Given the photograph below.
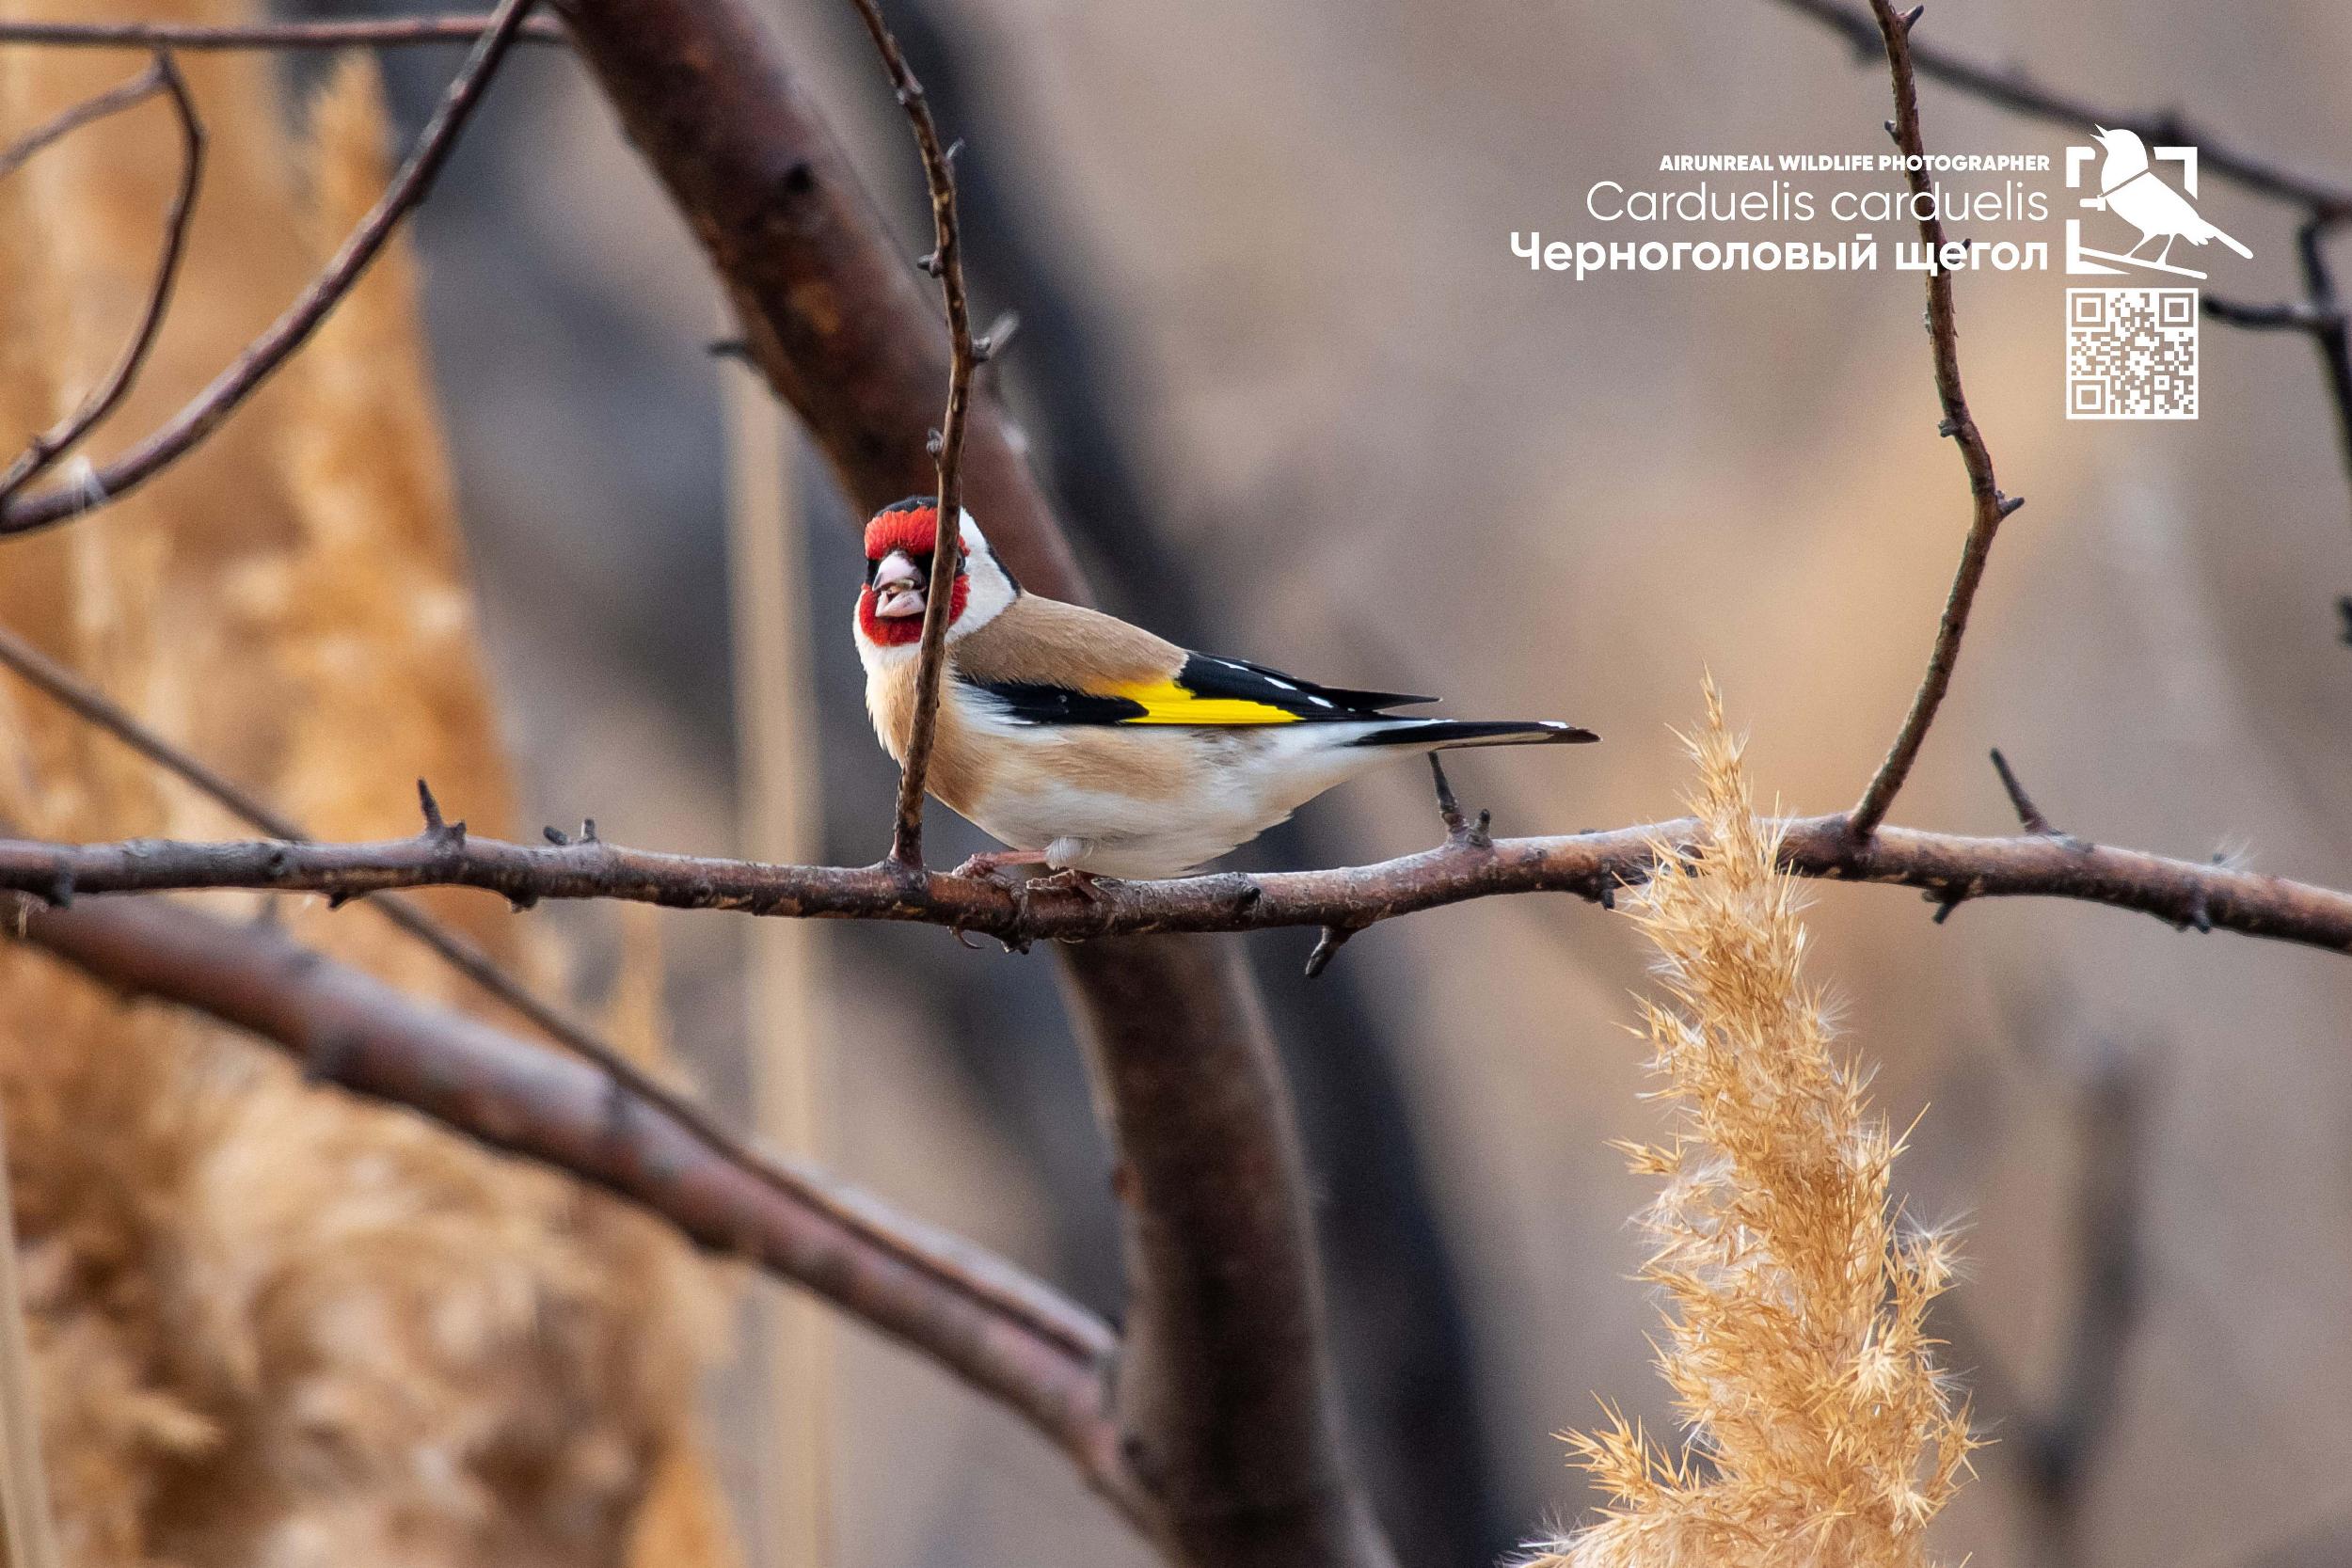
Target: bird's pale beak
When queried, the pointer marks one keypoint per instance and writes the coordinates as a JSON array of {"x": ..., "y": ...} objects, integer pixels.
[{"x": 897, "y": 587}]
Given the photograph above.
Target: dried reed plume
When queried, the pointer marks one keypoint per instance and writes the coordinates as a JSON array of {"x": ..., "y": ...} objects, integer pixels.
[
  {"x": 272, "y": 1325},
  {"x": 1819, "y": 1428}
]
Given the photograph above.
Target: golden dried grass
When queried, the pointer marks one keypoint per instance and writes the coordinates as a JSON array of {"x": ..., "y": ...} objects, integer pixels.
[
  {"x": 1818, "y": 1429},
  {"x": 271, "y": 1325}
]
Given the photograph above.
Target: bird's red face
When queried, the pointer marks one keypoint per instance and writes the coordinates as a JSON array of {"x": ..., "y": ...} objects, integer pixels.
[{"x": 897, "y": 555}]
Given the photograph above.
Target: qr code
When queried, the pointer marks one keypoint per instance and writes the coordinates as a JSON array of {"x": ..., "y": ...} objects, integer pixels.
[{"x": 2131, "y": 354}]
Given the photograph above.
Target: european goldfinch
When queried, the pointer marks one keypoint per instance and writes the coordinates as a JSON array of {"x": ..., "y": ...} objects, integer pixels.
[{"x": 1094, "y": 746}]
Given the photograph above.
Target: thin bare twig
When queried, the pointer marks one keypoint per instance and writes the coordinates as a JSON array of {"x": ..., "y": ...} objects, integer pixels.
[
  {"x": 1045, "y": 1317},
  {"x": 1990, "y": 505},
  {"x": 354, "y": 1031},
  {"x": 52, "y": 444},
  {"x": 383, "y": 32},
  {"x": 944, "y": 263},
  {"x": 216, "y": 402},
  {"x": 1950, "y": 868},
  {"x": 2012, "y": 91},
  {"x": 121, "y": 96}
]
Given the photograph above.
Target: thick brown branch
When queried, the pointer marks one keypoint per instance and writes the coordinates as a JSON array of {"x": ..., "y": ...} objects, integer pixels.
[
  {"x": 1990, "y": 506},
  {"x": 1222, "y": 1386},
  {"x": 341, "y": 33},
  {"x": 2012, "y": 90},
  {"x": 893, "y": 1272},
  {"x": 1950, "y": 867},
  {"x": 1046, "y": 1319},
  {"x": 841, "y": 328},
  {"x": 55, "y": 443},
  {"x": 216, "y": 402},
  {"x": 945, "y": 263}
]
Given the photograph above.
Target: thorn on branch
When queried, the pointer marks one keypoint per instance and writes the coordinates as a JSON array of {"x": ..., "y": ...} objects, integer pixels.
[
  {"x": 588, "y": 830},
  {"x": 1945, "y": 900},
  {"x": 449, "y": 835},
  {"x": 2028, "y": 814},
  {"x": 555, "y": 835},
  {"x": 1328, "y": 943},
  {"x": 1458, "y": 828},
  {"x": 2200, "y": 915},
  {"x": 1948, "y": 427},
  {"x": 2005, "y": 505},
  {"x": 955, "y": 150},
  {"x": 931, "y": 263},
  {"x": 1910, "y": 18},
  {"x": 934, "y": 443}
]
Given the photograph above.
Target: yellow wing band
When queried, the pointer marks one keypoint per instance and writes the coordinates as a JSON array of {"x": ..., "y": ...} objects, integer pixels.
[{"x": 1166, "y": 703}]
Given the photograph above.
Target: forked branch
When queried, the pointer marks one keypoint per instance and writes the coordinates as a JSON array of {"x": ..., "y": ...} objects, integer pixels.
[
  {"x": 162, "y": 76},
  {"x": 121, "y": 96},
  {"x": 267, "y": 353}
]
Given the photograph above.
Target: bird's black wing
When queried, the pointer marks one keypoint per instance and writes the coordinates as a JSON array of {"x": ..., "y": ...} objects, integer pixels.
[
  {"x": 1208, "y": 675},
  {"x": 1204, "y": 692}
]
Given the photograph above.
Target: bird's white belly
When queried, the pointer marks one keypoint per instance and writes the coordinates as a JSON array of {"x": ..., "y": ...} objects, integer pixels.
[{"x": 1228, "y": 788}]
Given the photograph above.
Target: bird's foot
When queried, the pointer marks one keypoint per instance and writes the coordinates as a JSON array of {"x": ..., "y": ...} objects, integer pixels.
[{"x": 990, "y": 867}]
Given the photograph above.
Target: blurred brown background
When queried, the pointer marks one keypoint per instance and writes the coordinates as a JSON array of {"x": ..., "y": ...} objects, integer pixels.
[{"x": 1278, "y": 359}]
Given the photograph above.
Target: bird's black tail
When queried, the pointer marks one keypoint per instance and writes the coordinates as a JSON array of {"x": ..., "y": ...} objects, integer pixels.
[{"x": 1443, "y": 733}]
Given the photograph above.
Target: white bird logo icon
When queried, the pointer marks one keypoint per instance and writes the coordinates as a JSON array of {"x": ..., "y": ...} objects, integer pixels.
[{"x": 2130, "y": 187}]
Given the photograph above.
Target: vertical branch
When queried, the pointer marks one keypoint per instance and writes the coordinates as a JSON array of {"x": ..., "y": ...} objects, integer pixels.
[
  {"x": 1224, "y": 1402},
  {"x": 1990, "y": 506},
  {"x": 945, "y": 263},
  {"x": 703, "y": 90}
]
